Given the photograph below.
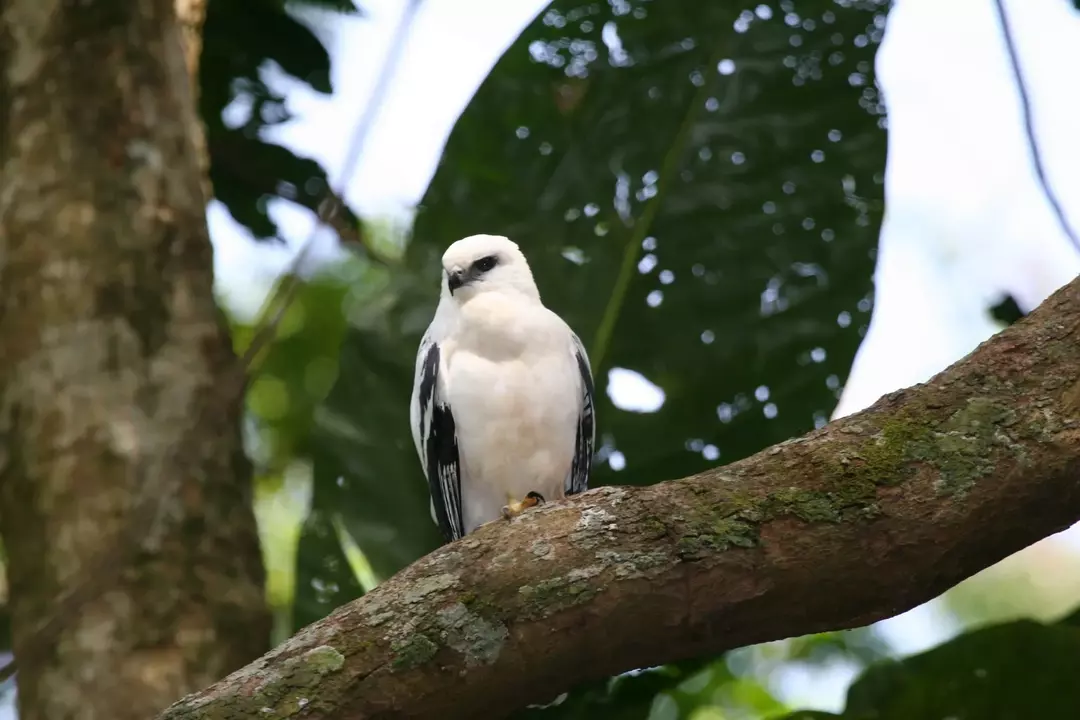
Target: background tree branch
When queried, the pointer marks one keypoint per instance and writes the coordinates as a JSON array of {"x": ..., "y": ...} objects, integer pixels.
[{"x": 849, "y": 524}]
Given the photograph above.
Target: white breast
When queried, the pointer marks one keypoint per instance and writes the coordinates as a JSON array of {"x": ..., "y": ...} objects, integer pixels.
[{"x": 514, "y": 388}]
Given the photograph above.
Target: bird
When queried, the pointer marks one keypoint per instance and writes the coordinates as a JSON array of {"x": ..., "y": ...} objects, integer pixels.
[{"x": 502, "y": 409}]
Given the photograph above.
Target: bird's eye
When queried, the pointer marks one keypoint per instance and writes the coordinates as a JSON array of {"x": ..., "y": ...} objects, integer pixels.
[{"x": 485, "y": 263}]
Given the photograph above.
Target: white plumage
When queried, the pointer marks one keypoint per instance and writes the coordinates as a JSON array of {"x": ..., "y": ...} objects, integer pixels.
[{"x": 502, "y": 404}]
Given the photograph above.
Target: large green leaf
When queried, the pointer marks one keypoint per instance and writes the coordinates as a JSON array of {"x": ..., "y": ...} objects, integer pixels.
[
  {"x": 698, "y": 189},
  {"x": 1012, "y": 671}
]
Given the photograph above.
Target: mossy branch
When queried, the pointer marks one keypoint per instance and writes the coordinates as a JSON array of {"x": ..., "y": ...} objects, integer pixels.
[{"x": 852, "y": 523}]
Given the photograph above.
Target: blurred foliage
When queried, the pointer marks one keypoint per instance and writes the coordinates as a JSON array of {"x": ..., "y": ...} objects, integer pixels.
[
  {"x": 734, "y": 685},
  {"x": 1027, "y": 584},
  {"x": 1021, "y": 669},
  {"x": 239, "y": 38},
  {"x": 288, "y": 381},
  {"x": 281, "y": 504},
  {"x": 625, "y": 696},
  {"x": 324, "y": 578},
  {"x": 675, "y": 690},
  {"x": 294, "y": 373}
]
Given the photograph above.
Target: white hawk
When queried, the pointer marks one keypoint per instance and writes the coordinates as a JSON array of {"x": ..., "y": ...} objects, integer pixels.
[{"x": 502, "y": 408}]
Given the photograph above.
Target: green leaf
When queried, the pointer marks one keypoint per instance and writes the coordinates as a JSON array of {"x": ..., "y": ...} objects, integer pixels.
[
  {"x": 1014, "y": 670},
  {"x": 1072, "y": 619},
  {"x": 1020, "y": 669},
  {"x": 861, "y": 644}
]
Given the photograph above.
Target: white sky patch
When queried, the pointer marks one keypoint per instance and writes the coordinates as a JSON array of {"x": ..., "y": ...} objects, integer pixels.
[
  {"x": 631, "y": 391},
  {"x": 967, "y": 220},
  {"x": 824, "y": 686},
  {"x": 919, "y": 629},
  {"x": 617, "y": 55}
]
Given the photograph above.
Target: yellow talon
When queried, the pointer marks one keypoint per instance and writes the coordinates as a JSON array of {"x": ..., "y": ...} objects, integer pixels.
[{"x": 514, "y": 509}]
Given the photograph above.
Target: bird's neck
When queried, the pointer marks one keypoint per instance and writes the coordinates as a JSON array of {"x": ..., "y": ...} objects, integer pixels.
[{"x": 502, "y": 324}]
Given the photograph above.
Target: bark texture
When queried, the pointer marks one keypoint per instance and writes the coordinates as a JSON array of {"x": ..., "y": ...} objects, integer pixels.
[
  {"x": 852, "y": 523},
  {"x": 191, "y": 15},
  {"x": 112, "y": 356}
]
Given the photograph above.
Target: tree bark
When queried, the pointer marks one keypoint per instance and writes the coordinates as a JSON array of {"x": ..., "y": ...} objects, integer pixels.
[
  {"x": 112, "y": 357},
  {"x": 855, "y": 522},
  {"x": 191, "y": 16}
]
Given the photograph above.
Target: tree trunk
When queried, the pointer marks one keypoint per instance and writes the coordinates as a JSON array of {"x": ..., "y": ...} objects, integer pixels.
[
  {"x": 863, "y": 519},
  {"x": 112, "y": 361}
]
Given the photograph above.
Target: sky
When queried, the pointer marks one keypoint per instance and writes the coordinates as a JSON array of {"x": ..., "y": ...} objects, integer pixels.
[{"x": 966, "y": 218}]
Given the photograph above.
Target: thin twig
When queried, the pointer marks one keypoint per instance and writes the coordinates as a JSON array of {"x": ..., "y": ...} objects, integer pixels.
[{"x": 1029, "y": 128}]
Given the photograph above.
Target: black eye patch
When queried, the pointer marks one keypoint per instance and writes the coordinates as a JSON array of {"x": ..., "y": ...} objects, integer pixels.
[{"x": 486, "y": 263}]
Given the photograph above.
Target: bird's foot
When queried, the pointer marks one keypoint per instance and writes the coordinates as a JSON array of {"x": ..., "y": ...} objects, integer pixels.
[{"x": 516, "y": 508}]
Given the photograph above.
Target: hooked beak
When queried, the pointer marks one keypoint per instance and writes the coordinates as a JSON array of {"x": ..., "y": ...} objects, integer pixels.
[{"x": 455, "y": 279}]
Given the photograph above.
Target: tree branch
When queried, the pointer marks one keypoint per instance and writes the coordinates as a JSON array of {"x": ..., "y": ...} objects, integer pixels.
[{"x": 855, "y": 522}]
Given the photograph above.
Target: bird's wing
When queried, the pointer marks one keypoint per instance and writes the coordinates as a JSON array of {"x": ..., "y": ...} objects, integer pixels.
[
  {"x": 578, "y": 479},
  {"x": 436, "y": 440}
]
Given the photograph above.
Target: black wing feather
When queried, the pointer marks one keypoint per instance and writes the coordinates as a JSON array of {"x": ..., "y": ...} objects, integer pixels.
[
  {"x": 578, "y": 480},
  {"x": 440, "y": 449}
]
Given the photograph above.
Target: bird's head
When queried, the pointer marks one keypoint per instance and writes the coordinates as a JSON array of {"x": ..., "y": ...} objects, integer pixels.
[{"x": 486, "y": 263}]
